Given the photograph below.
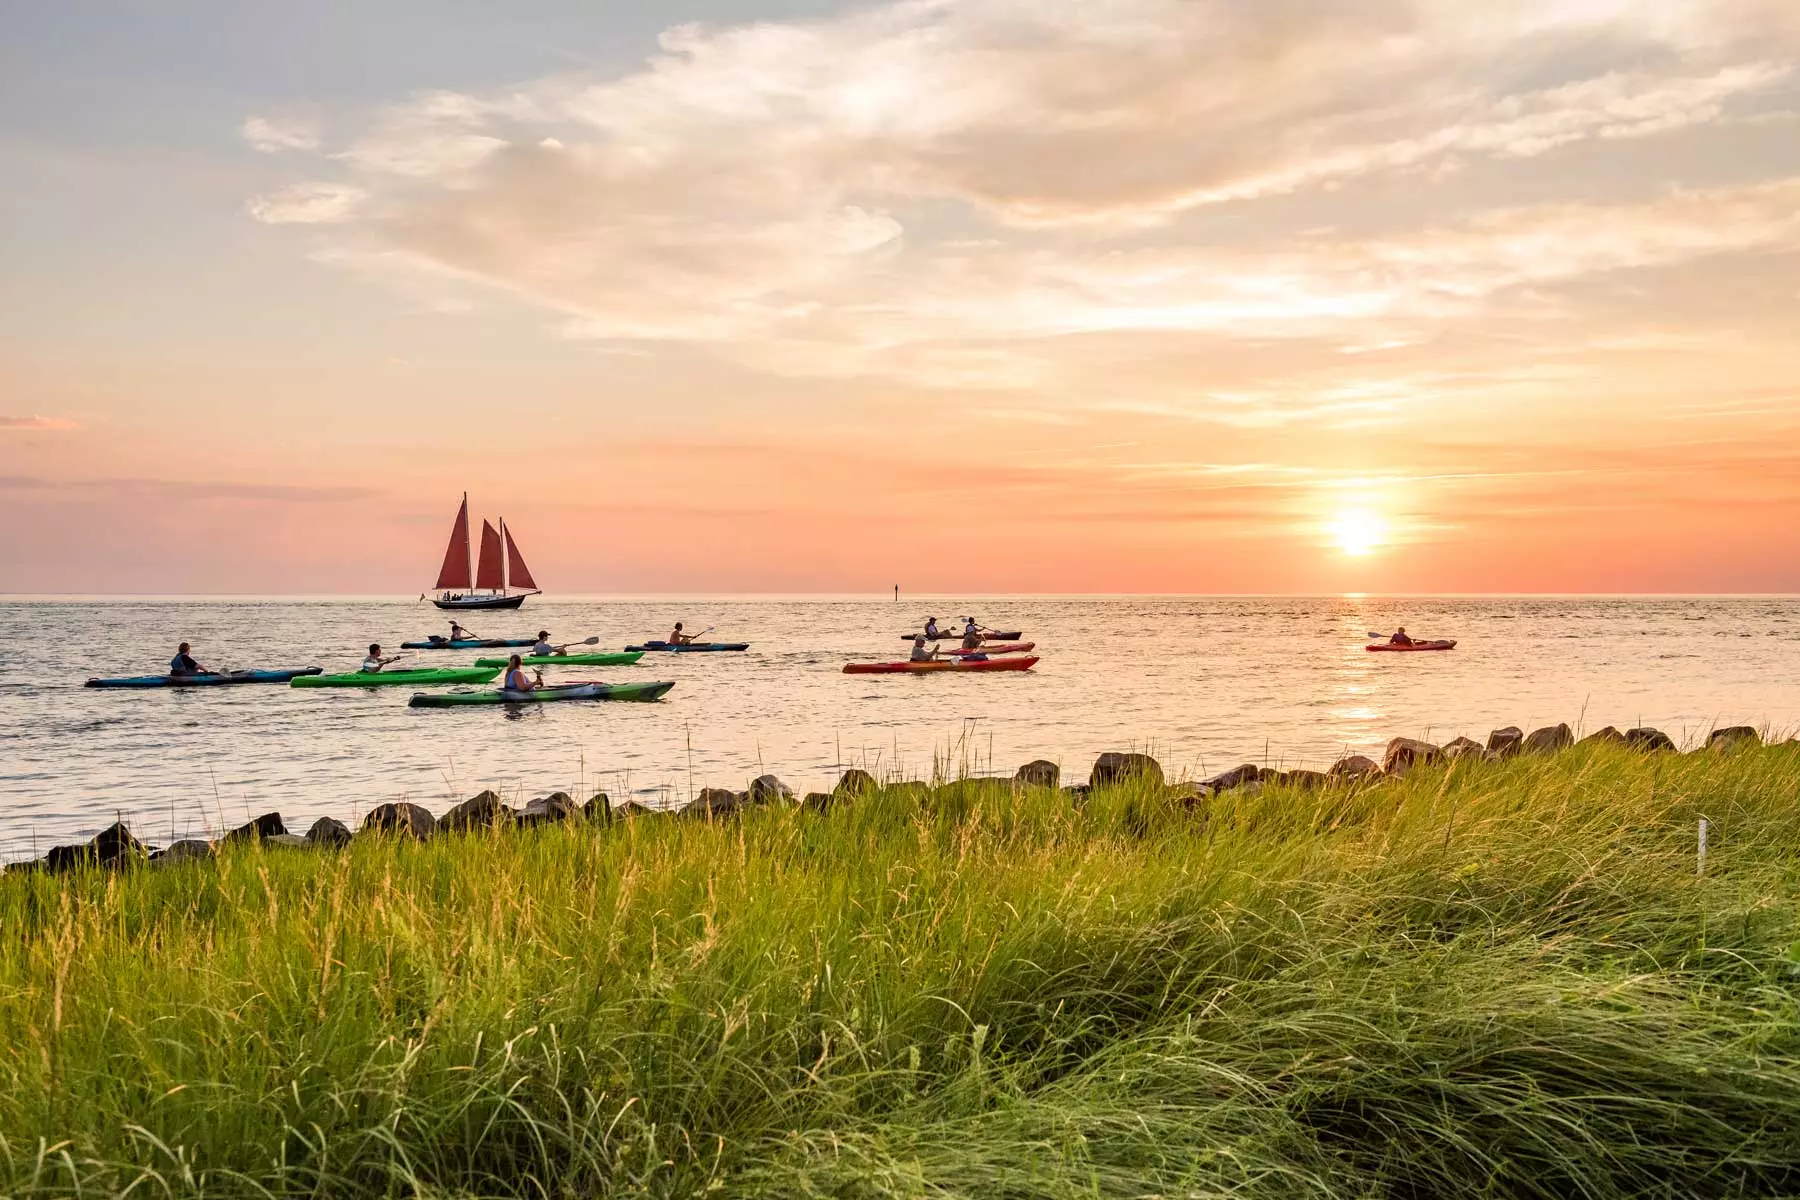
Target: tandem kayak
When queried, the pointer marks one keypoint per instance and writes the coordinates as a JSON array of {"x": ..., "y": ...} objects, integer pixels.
[
  {"x": 602, "y": 658},
  {"x": 424, "y": 677},
  {"x": 948, "y": 635},
  {"x": 439, "y": 643},
  {"x": 543, "y": 695},
  {"x": 996, "y": 648},
  {"x": 952, "y": 664},
  {"x": 1390, "y": 647},
  {"x": 691, "y": 647},
  {"x": 217, "y": 679}
]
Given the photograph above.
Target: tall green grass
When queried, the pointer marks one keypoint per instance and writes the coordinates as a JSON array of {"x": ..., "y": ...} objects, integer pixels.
[{"x": 1495, "y": 979}]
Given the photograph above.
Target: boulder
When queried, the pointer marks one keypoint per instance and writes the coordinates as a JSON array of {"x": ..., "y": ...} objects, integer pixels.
[
  {"x": 1076, "y": 793},
  {"x": 328, "y": 832},
  {"x": 1307, "y": 781},
  {"x": 186, "y": 850},
  {"x": 548, "y": 810},
  {"x": 636, "y": 808},
  {"x": 818, "y": 801},
  {"x": 1353, "y": 766},
  {"x": 1505, "y": 742},
  {"x": 1188, "y": 795},
  {"x": 1038, "y": 772},
  {"x": 1549, "y": 739},
  {"x": 598, "y": 809},
  {"x": 291, "y": 841},
  {"x": 768, "y": 789},
  {"x": 1604, "y": 737},
  {"x": 1649, "y": 740},
  {"x": 1403, "y": 754},
  {"x": 1462, "y": 747},
  {"x": 854, "y": 782},
  {"x": 1733, "y": 737},
  {"x": 401, "y": 818},
  {"x": 266, "y": 826},
  {"x": 483, "y": 810},
  {"x": 1115, "y": 767},
  {"x": 111, "y": 847},
  {"x": 1236, "y": 777},
  {"x": 714, "y": 802}
]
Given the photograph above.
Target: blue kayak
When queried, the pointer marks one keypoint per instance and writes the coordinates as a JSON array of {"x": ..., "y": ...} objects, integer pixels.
[
  {"x": 467, "y": 643},
  {"x": 212, "y": 680},
  {"x": 691, "y": 647}
]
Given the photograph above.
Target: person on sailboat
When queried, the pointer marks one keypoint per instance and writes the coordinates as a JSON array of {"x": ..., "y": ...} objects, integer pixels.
[
  {"x": 373, "y": 664},
  {"x": 679, "y": 638},
  {"x": 183, "y": 663},
  {"x": 544, "y": 649},
  {"x": 516, "y": 680}
]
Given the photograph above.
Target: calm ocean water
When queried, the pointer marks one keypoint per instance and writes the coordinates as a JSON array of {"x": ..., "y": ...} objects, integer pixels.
[{"x": 1202, "y": 682}]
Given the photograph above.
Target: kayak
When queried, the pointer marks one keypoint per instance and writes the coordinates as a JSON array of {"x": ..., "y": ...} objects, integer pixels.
[
  {"x": 948, "y": 635},
  {"x": 1390, "y": 647},
  {"x": 213, "y": 680},
  {"x": 425, "y": 676},
  {"x": 691, "y": 647},
  {"x": 543, "y": 695},
  {"x": 600, "y": 658},
  {"x": 468, "y": 644},
  {"x": 996, "y": 648},
  {"x": 951, "y": 664}
]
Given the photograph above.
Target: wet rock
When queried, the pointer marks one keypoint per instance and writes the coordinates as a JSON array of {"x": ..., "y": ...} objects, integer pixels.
[
  {"x": 1306, "y": 781},
  {"x": 1462, "y": 747},
  {"x": 598, "y": 809},
  {"x": 1733, "y": 737},
  {"x": 266, "y": 826},
  {"x": 1115, "y": 767},
  {"x": 1038, "y": 773},
  {"x": 1507, "y": 741},
  {"x": 854, "y": 782},
  {"x": 714, "y": 802},
  {"x": 186, "y": 850},
  {"x": 768, "y": 789},
  {"x": 327, "y": 832},
  {"x": 1649, "y": 740},
  {"x": 548, "y": 810},
  {"x": 1549, "y": 739},
  {"x": 406, "y": 820},
  {"x": 480, "y": 811},
  {"x": 1604, "y": 737},
  {"x": 1403, "y": 754},
  {"x": 1354, "y": 766},
  {"x": 1236, "y": 777},
  {"x": 111, "y": 847}
]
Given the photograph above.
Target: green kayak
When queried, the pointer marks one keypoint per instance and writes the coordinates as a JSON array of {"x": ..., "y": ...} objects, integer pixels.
[
  {"x": 603, "y": 658},
  {"x": 424, "y": 677},
  {"x": 543, "y": 695}
]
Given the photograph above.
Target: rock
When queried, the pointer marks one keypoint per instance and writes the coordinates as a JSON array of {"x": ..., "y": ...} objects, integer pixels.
[
  {"x": 266, "y": 826},
  {"x": 714, "y": 802},
  {"x": 1604, "y": 737},
  {"x": 1733, "y": 737},
  {"x": 1236, "y": 777},
  {"x": 1403, "y": 754},
  {"x": 1649, "y": 740},
  {"x": 1038, "y": 773},
  {"x": 854, "y": 782},
  {"x": 548, "y": 810},
  {"x": 327, "y": 832},
  {"x": 1548, "y": 739},
  {"x": 819, "y": 801},
  {"x": 111, "y": 847},
  {"x": 407, "y": 820},
  {"x": 292, "y": 841},
  {"x": 1462, "y": 747},
  {"x": 1505, "y": 742},
  {"x": 186, "y": 850},
  {"x": 598, "y": 809},
  {"x": 1188, "y": 795},
  {"x": 1307, "y": 781},
  {"x": 1354, "y": 766},
  {"x": 1076, "y": 792},
  {"x": 767, "y": 789},
  {"x": 480, "y": 811},
  {"x": 635, "y": 808},
  {"x": 1114, "y": 767}
]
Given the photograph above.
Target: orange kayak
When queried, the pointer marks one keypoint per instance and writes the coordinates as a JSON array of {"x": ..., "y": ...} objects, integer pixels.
[
  {"x": 1389, "y": 646},
  {"x": 942, "y": 664},
  {"x": 1002, "y": 648}
]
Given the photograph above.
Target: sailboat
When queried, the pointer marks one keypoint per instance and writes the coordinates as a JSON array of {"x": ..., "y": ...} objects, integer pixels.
[{"x": 500, "y": 579}]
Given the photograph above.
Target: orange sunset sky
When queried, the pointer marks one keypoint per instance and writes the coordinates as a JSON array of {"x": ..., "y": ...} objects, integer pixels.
[{"x": 965, "y": 295}]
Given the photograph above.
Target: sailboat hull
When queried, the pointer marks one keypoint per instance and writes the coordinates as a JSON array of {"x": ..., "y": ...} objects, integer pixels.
[{"x": 468, "y": 603}]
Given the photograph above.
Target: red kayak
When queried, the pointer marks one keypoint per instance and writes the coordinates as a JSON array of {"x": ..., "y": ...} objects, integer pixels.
[
  {"x": 943, "y": 664},
  {"x": 1390, "y": 647},
  {"x": 997, "y": 648}
]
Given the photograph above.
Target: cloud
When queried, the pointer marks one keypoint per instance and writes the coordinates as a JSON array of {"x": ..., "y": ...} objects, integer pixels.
[
  {"x": 173, "y": 489},
  {"x": 47, "y": 423},
  {"x": 273, "y": 134},
  {"x": 308, "y": 204}
]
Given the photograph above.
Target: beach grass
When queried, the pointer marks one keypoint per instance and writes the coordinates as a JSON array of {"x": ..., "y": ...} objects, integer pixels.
[{"x": 1491, "y": 979}]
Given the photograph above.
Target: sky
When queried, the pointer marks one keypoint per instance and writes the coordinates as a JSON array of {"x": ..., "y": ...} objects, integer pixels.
[{"x": 960, "y": 295}]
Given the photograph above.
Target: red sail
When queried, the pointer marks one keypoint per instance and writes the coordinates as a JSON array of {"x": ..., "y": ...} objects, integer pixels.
[
  {"x": 517, "y": 574},
  {"x": 488, "y": 575},
  {"x": 455, "y": 571}
]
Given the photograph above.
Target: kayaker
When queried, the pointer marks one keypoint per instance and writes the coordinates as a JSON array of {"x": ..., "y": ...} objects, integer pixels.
[
  {"x": 679, "y": 638},
  {"x": 1400, "y": 638},
  {"x": 931, "y": 629},
  {"x": 516, "y": 679},
  {"x": 459, "y": 634},
  {"x": 972, "y": 638},
  {"x": 544, "y": 649},
  {"x": 373, "y": 664},
  {"x": 183, "y": 663},
  {"x": 921, "y": 652}
]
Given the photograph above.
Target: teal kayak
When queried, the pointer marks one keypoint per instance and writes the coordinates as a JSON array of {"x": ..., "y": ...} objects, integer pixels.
[
  {"x": 424, "y": 677},
  {"x": 544, "y": 695},
  {"x": 603, "y": 658},
  {"x": 212, "y": 679}
]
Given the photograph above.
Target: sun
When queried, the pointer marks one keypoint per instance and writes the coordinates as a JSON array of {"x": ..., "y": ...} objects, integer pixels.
[{"x": 1357, "y": 531}]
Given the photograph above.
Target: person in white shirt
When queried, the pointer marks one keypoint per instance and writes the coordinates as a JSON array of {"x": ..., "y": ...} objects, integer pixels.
[
  {"x": 921, "y": 652},
  {"x": 544, "y": 649},
  {"x": 373, "y": 664}
]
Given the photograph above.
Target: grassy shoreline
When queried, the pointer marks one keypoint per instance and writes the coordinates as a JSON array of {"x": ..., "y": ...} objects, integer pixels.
[{"x": 1490, "y": 978}]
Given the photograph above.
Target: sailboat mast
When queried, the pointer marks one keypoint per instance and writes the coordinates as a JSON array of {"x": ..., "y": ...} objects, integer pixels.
[{"x": 503, "y": 556}]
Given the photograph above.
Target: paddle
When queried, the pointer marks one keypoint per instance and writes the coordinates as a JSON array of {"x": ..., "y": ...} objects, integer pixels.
[{"x": 593, "y": 641}]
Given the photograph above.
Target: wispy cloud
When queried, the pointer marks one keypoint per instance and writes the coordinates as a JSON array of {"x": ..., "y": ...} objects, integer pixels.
[
  {"x": 271, "y": 135},
  {"x": 176, "y": 489},
  {"x": 308, "y": 204},
  {"x": 48, "y": 423}
]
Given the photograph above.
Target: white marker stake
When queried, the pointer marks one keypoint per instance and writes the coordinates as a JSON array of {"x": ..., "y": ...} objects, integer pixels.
[{"x": 1700, "y": 867}]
